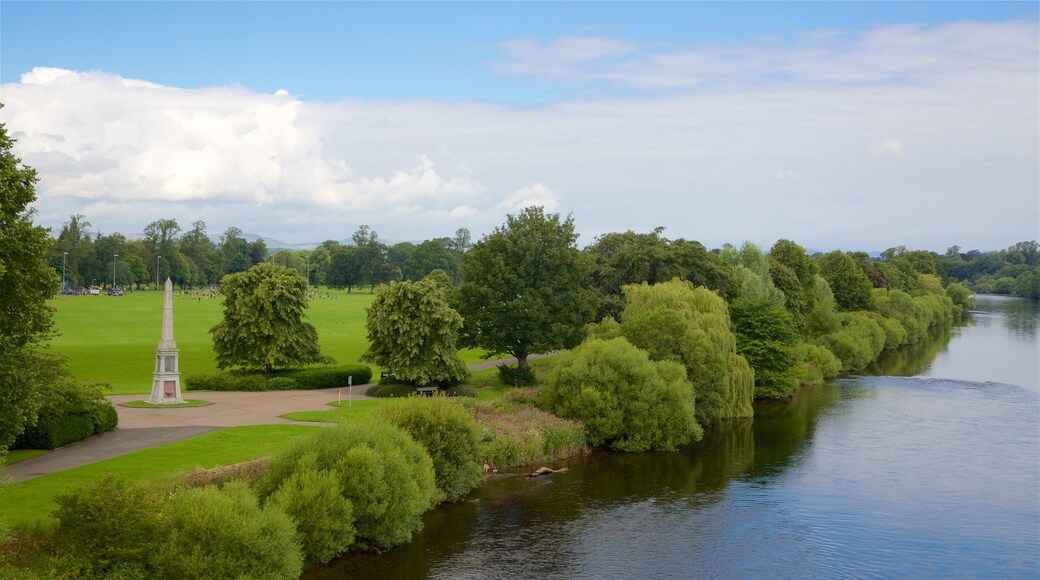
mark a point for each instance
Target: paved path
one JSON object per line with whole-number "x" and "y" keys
{"x": 142, "y": 427}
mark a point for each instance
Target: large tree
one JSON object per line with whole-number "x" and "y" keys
{"x": 525, "y": 287}
{"x": 413, "y": 330}
{"x": 27, "y": 281}
{"x": 851, "y": 286}
{"x": 263, "y": 326}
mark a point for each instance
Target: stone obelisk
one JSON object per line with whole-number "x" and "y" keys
{"x": 166, "y": 385}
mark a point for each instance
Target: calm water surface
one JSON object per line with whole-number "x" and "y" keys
{"x": 930, "y": 469}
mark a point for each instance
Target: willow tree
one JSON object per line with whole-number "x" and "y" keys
{"x": 263, "y": 326}
{"x": 675, "y": 321}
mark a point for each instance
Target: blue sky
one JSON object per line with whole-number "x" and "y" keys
{"x": 857, "y": 125}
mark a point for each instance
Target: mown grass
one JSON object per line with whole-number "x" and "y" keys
{"x": 344, "y": 411}
{"x": 113, "y": 338}
{"x": 34, "y": 499}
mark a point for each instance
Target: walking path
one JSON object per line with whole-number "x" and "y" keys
{"x": 142, "y": 427}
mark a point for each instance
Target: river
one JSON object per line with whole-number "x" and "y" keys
{"x": 928, "y": 468}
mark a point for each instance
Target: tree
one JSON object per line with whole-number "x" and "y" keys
{"x": 427, "y": 257}
{"x": 524, "y": 287}
{"x": 235, "y": 250}
{"x": 851, "y": 287}
{"x": 263, "y": 326}
{"x": 343, "y": 270}
{"x": 675, "y": 321}
{"x": 258, "y": 251}
{"x": 623, "y": 398}
{"x": 197, "y": 247}
{"x": 27, "y": 281}
{"x": 461, "y": 242}
{"x": 766, "y": 338}
{"x": 413, "y": 330}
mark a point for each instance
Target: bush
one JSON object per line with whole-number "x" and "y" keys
{"x": 282, "y": 384}
{"x": 391, "y": 388}
{"x": 816, "y": 363}
{"x": 386, "y": 476}
{"x": 328, "y": 377}
{"x": 223, "y": 533}
{"x": 516, "y": 437}
{"x": 857, "y": 343}
{"x": 324, "y": 518}
{"x": 108, "y": 522}
{"x": 71, "y": 412}
{"x": 209, "y": 382}
{"x": 622, "y": 397}
{"x": 449, "y": 434}
{"x": 766, "y": 337}
{"x": 51, "y": 432}
{"x": 105, "y": 418}
{"x": 251, "y": 383}
{"x": 516, "y": 376}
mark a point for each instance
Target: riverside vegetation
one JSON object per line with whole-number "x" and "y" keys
{"x": 685, "y": 338}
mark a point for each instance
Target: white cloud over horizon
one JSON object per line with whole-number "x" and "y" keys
{"x": 772, "y": 138}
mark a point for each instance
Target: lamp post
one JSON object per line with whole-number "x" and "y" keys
{"x": 63, "y": 255}
{"x": 157, "y": 271}
{"x": 308, "y": 258}
{"x": 114, "y": 256}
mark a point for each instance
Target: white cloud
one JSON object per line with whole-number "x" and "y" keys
{"x": 532, "y": 195}
{"x": 887, "y": 148}
{"x": 689, "y": 157}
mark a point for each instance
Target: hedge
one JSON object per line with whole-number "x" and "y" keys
{"x": 311, "y": 378}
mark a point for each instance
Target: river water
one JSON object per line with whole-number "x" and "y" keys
{"x": 929, "y": 468}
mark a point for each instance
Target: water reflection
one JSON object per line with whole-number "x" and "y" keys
{"x": 1020, "y": 316}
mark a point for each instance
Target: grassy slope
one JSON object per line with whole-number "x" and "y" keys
{"x": 113, "y": 338}
{"x": 34, "y": 499}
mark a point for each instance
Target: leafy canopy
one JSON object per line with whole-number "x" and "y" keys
{"x": 263, "y": 326}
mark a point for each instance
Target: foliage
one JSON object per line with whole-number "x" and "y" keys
{"x": 263, "y": 326}
{"x": 675, "y": 322}
{"x": 223, "y": 533}
{"x": 324, "y": 518}
{"x": 413, "y": 330}
{"x": 766, "y": 337}
{"x": 962, "y": 299}
{"x": 815, "y": 363}
{"x": 449, "y": 434}
{"x": 514, "y": 436}
{"x": 623, "y": 398}
{"x": 284, "y": 380}
{"x": 524, "y": 287}
{"x": 851, "y": 287}
{"x": 27, "y": 282}
{"x": 107, "y": 522}
{"x": 281, "y": 384}
{"x": 386, "y": 476}
{"x": 327, "y": 377}
{"x": 429, "y": 256}
{"x": 461, "y": 391}
{"x": 753, "y": 271}
{"x": 516, "y": 376}
{"x": 70, "y": 412}
{"x": 857, "y": 343}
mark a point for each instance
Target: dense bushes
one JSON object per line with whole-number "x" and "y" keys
{"x": 513, "y": 435}
{"x": 766, "y": 337}
{"x": 449, "y": 434}
{"x": 385, "y": 475}
{"x": 516, "y": 376}
{"x": 312, "y": 378}
{"x": 71, "y": 412}
{"x": 857, "y": 343}
{"x": 816, "y": 363}
{"x": 224, "y": 533}
{"x": 622, "y": 397}
{"x": 324, "y": 517}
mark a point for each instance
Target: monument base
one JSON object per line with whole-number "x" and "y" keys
{"x": 166, "y": 390}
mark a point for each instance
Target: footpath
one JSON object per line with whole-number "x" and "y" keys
{"x": 142, "y": 427}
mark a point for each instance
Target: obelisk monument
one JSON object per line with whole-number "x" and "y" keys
{"x": 166, "y": 385}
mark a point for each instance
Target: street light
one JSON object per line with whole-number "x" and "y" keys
{"x": 157, "y": 271}
{"x": 114, "y": 256}
{"x": 308, "y": 258}
{"x": 63, "y": 270}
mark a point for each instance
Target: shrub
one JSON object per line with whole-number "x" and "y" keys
{"x": 816, "y": 363}
{"x": 622, "y": 397}
{"x": 324, "y": 518}
{"x": 223, "y": 533}
{"x": 386, "y": 476}
{"x": 53, "y": 431}
{"x": 251, "y": 383}
{"x": 108, "y": 522}
{"x": 766, "y": 337}
{"x": 449, "y": 434}
{"x": 392, "y": 388}
{"x": 209, "y": 382}
{"x": 857, "y": 343}
{"x": 328, "y": 377}
{"x": 281, "y": 384}
{"x": 512, "y": 438}
{"x": 71, "y": 412}
{"x": 516, "y": 376}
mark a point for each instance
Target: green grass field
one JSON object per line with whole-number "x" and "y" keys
{"x": 34, "y": 499}
{"x": 113, "y": 338}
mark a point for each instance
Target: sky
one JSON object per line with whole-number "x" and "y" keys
{"x": 856, "y": 126}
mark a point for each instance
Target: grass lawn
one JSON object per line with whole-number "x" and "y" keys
{"x": 113, "y": 338}
{"x": 34, "y": 499}
{"x": 16, "y": 455}
{"x": 342, "y": 411}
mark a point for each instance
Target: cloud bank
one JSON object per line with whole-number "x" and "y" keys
{"x": 925, "y": 136}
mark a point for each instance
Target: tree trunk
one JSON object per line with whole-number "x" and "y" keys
{"x": 521, "y": 359}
